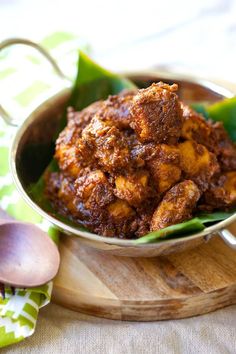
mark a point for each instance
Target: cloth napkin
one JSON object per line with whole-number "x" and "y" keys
{"x": 26, "y": 80}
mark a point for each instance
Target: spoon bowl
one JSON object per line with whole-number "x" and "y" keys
{"x": 28, "y": 257}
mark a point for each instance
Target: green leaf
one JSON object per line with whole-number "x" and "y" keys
{"x": 37, "y": 189}
{"x": 222, "y": 111}
{"x": 225, "y": 111}
{"x": 185, "y": 228}
{"x": 216, "y": 216}
{"x": 94, "y": 83}
{"x": 200, "y": 108}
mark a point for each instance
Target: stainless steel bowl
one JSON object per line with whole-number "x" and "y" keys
{"x": 38, "y": 130}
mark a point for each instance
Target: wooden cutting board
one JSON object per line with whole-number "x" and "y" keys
{"x": 145, "y": 289}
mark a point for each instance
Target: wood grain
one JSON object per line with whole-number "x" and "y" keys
{"x": 181, "y": 285}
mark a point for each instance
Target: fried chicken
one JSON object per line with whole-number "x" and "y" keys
{"x": 109, "y": 145}
{"x": 165, "y": 167}
{"x": 117, "y": 109}
{"x": 134, "y": 188}
{"x": 196, "y": 128}
{"x": 71, "y": 153}
{"x": 221, "y": 194}
{"x": 226, "y": 148}
{"x": 177, "y": 205}
{"x": 141, "y": 161}
{"x": 197, "y": 163}
{"x": 157, "y": 114}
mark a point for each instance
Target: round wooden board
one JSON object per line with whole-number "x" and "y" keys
{"x": 146, "y": 289}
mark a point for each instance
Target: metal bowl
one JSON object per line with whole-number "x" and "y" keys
{"x": 33, "y": 148}
{"x": 36, "y": 135}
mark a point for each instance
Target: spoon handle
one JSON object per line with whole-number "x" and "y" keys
{"x": 2, "y": 290}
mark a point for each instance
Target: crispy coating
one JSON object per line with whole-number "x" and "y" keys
{"x": 226, "y": 148}
{"x": 221, "y": 193}
{"x": 61, "y": 191}
{"x": 197, "y": 163}
{"x": 139, "y": 161}
{"x": 134, "y": 188}
{"x": 120, "y": 220}
{"x": 71, "y": 153}
{"x": 177, "y": 205}
{"x": 117, "y": 109}
{"x": 120, "y": 210}
{"x": 108, "y": 143}
{"x": 196, "y": 128}
{"x": 73, "y": 158}
{"x": 94, "y": 190}
{"x": 90, "y": 202}
{"x": 212, "y": 135}
{"x": 81, "y": 119}
{"x": 165, "y": 167}
{"x": 157, "y": 114}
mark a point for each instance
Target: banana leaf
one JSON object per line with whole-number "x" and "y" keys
{"x": 189, "y": 227}
{"x": 95, "y": 83}
{"x": 225, "y": 111}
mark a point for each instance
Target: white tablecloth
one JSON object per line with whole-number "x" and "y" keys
{"x": 63, "y": 331}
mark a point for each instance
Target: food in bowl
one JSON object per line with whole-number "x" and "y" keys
{"x": 141, "y": 161}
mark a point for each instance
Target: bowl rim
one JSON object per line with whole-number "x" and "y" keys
{"x": 89, "y": 235}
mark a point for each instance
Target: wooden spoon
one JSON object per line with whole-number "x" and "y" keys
{"x": 28, "y": 257}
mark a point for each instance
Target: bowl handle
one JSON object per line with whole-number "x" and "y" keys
{"x": 228, "y": 238}
{"x": 13, "y": 41}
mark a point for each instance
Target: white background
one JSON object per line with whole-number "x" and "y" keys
{"x": 188, "y": 36}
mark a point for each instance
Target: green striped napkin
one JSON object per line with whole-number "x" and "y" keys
{"x": 26, "y": 80}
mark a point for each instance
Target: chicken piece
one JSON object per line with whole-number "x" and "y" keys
{"x": 156, "y": 114}
{"x": 94, "y": 190}
{"x": 221, "y": 194}
{"x": 66, "y": 194}
{"x": 140, "y": 153}
{"x": 66, "y": 151}
{"x": 81, "y": 119}
{"x": 165, "y": 167}
{"x": 134, "y": 188}
{"x": 196, "y": 128}
{"x": 116, "y": 109}
{"x": 90, "y": 201}
{"x": 120, "y": 209}
{"x": 72, "y": 158}
{"x": 197, "y": 163}
{"x": 177, "y": 205}
{"x": 71, "y": 152}
{"x": 226, "y": 148}
{"x": 61, "y": 192}
{"x": 144, "y": 218}
{"x": 108, "y": 143}
{"x": 118, "y": 220}
{"x": 67, "y": 159}
{"x": 107, "y": 214}
{"x": 212, "y": 136}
